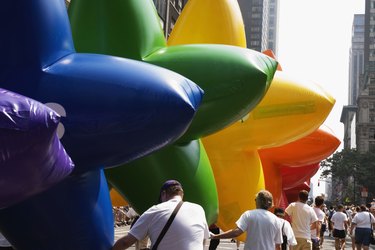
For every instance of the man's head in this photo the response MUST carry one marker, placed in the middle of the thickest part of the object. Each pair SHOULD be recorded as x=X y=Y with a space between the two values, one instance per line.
x=303 y=196
x=319 y=201
x=264 y=200
x=340 y=207
x=170 y=189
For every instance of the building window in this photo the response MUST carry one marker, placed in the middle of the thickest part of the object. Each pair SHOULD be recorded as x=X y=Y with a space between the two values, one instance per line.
x=161 y=7
x=371 y=134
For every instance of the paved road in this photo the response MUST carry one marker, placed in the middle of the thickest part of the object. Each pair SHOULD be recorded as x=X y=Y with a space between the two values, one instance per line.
x=329 y=242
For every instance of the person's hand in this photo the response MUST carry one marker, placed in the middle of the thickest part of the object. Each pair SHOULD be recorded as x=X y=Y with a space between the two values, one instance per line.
x=211 y=236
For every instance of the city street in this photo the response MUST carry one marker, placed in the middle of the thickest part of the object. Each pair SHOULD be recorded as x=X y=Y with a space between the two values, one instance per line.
x=329 y=242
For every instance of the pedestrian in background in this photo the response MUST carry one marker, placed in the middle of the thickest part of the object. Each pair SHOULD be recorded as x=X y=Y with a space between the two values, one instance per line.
x=362 y=223
x=303 y=217
x=340 y=227
x=315 y=234
x=286 y=229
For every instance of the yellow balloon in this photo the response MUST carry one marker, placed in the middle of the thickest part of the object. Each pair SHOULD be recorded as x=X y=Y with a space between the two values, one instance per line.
x=209 y=21
x=238 y=176
x=291 y=109
x=117 y=199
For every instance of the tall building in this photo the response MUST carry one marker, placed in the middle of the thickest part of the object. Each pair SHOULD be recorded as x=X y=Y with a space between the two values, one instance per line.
x=273 y=25
x=261 y=23
x=356 y=60
x=168 y=11
x=365 y=129
x=356 y=70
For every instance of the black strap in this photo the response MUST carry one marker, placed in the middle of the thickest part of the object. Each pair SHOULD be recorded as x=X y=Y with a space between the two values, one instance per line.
x=167 y=225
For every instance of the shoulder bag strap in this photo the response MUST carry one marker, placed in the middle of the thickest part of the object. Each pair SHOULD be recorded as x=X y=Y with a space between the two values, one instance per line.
x=167 y=225
x=370 y=221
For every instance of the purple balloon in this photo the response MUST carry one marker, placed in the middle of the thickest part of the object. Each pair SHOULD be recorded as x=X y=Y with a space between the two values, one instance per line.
x=32 y=158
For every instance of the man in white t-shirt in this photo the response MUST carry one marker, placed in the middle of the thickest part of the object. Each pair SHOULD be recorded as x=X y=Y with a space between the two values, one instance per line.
x=263 y=228
x=319 y=202
x=340 y=226
x=188 y=230
x=303 y=217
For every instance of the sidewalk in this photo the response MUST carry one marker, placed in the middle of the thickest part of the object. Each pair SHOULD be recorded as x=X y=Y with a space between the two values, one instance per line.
x=329 y=242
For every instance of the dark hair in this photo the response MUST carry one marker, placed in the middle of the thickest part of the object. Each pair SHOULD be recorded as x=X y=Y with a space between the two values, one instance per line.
x=171 y=188
x=319 y=200
x=279 y=211
x=363 y=208
x=340 y=206
x=303 y=195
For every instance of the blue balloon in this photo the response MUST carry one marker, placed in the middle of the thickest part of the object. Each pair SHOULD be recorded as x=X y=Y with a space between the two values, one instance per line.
x=117 y=110
x=113 y=110
x=76 y=214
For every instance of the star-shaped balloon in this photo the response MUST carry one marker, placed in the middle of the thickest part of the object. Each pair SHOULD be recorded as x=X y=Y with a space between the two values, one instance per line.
x=116 y=110
x=234 y=82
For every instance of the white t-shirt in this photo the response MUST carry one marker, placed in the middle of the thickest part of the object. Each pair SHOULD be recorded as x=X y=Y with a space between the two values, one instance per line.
x=321 y=215
x=263 y=229
x=4 y=242
x=362 y=220
x=302 y=217
x=288 y=232
x=338 y=220
x=187 y=231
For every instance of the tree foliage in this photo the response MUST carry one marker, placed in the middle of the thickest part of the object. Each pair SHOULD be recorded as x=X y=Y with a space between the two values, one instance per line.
x=350 y=171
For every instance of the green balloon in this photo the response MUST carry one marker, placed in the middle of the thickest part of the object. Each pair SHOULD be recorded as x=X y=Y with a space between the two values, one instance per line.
x=124 y=28
x=234 y=79
x=140 y=181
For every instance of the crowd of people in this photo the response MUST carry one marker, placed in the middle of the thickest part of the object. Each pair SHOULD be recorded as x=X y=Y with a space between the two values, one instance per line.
x=178 y=224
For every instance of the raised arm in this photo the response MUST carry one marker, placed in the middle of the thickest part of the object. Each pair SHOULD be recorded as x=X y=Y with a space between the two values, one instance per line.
x=233 y=233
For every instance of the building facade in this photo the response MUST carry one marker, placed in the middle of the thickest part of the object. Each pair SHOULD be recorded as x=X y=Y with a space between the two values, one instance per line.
x=365 y=117
x=273 y=24
x=261 y=23
x=356 y=70
x=169 y=11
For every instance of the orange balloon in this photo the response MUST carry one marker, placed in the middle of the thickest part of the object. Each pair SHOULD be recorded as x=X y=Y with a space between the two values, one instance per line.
x=310 y=149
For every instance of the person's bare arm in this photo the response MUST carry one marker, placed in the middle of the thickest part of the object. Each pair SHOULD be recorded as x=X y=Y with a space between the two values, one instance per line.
x=352 y=226
x=124 y=242
x=277 y=247
x=233 y=233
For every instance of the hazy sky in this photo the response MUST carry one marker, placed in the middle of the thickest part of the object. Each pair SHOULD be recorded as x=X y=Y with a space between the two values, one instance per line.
x=314 y=43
